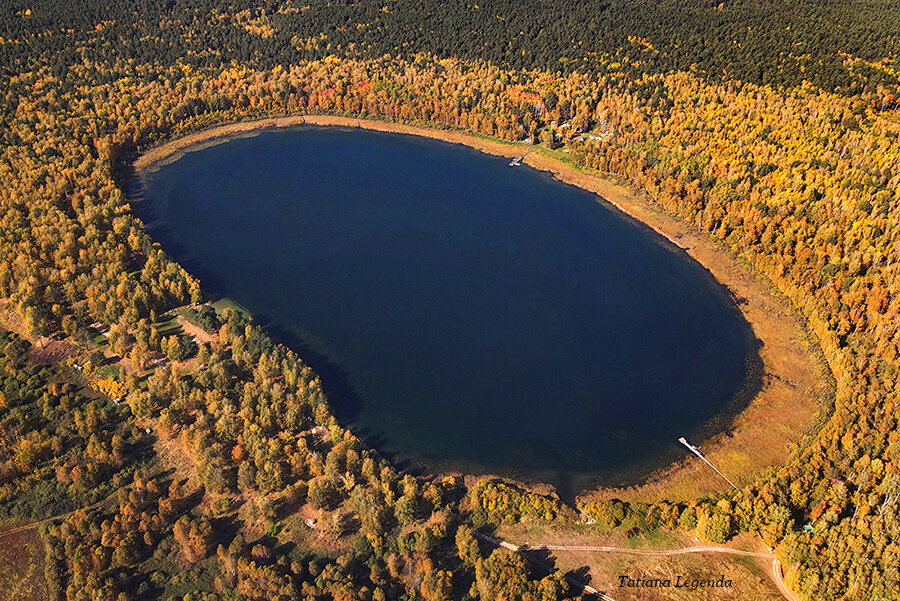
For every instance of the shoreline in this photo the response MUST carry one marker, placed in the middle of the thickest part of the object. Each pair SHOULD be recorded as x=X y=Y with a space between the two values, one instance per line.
x=759 y=435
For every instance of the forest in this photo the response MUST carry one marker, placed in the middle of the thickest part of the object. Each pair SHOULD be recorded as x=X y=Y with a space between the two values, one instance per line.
x=178 y=452
x=838 y=46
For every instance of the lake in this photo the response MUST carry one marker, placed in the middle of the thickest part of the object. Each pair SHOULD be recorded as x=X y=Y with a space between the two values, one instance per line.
x=463 y=314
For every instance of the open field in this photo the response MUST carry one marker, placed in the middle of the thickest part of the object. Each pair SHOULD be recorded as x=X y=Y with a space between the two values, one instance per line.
x=22 y=567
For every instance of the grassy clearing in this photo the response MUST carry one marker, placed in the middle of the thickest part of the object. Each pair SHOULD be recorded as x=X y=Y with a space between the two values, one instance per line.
x=226 y=303
x=22 y=567
x=168 y=325
x=108 y=371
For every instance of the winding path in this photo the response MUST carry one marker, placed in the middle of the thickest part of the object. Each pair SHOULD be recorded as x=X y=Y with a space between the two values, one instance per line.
x=779 y=581
x=681 y=551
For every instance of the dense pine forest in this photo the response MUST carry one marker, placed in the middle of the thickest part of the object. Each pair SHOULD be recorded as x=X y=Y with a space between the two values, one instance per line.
x=178 y=452
x=844 y=47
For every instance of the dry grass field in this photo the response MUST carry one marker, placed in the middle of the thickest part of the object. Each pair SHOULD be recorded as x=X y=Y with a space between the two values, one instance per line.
x=22 y=567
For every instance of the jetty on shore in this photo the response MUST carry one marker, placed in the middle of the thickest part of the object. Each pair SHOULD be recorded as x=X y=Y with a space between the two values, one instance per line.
x=517 y=161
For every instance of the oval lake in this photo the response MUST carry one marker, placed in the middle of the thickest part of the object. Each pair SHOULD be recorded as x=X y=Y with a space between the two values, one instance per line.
x=463 y=314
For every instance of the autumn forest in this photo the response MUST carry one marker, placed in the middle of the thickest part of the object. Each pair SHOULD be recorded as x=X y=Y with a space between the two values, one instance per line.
x=166 y=448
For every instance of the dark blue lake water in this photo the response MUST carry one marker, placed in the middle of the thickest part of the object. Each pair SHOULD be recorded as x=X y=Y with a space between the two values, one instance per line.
x=463 y=314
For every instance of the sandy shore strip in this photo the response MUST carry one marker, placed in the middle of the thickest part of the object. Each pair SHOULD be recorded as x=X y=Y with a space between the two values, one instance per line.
x=795 y=376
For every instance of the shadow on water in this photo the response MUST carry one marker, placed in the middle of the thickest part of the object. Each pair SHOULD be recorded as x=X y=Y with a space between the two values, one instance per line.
x=343 y=399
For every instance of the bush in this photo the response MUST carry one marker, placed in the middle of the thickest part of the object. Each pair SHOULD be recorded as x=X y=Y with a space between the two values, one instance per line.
x=206 y=318
x=609 y=512
x=688 y=518
x=323 y=494
x=715 y=527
